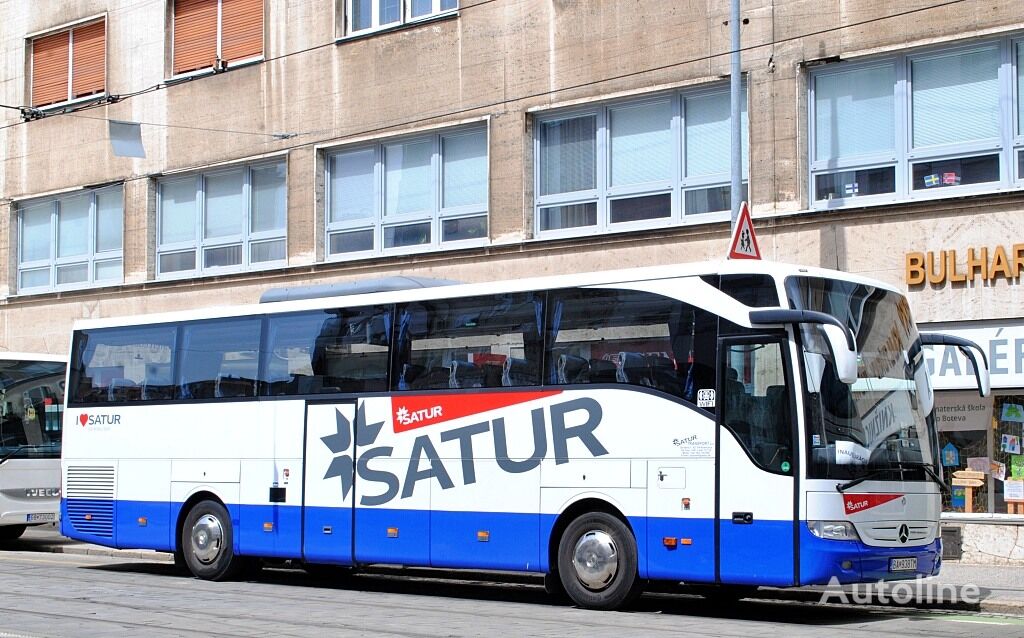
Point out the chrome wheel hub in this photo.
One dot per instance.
(595, 559)
(207, 539)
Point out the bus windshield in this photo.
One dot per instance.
(31, 405)
(879, 425)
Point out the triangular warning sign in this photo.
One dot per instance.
(744, 241)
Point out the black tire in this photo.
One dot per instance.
(597, 562)
(207, 542)
(11, 532)
(554, 588)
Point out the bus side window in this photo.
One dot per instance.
(479, 342)
(324, 351)
(218, 358)
(113, 365)
(623, 336)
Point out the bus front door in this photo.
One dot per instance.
(756, 489)
(328, 494)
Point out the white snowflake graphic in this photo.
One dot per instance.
(402, 415)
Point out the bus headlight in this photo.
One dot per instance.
(833, 530)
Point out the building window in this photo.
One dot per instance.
(72, 241)
(370, 15)
(222, 221)
(643, 163)
(69, 65)
(412, 194)
(917, 126)
(215, 34)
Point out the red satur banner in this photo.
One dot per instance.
(854, 503)
(417, 411)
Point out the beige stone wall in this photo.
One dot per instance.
(498, 61)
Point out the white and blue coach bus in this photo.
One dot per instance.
(727, 424)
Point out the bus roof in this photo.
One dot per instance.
(32, 356)
(774, 269)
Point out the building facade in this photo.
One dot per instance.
(294, 142)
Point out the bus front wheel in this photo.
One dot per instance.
(597, 562)
(207, 542)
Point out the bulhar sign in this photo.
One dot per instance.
(944, 266)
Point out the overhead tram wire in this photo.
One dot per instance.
(427, 118)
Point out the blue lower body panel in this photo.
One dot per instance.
(822, 559)
(759, 554)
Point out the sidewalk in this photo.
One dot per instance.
(984, 588)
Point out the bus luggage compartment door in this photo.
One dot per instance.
(329, 482)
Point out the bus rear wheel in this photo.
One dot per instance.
(597, 562)
(207, 542)
(11, 532)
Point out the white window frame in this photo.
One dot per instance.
(1017, 78)
(604, 193)
(436, 216)
(903, 156)
(246, 239)
(404, 17)
(52, 262)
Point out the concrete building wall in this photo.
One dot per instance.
(501, 62)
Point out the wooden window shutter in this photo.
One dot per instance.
(88, 59)
(50, 64)
(241, 29)
(195, 35)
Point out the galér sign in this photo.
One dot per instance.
(944, 266)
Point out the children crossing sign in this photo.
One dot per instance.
(744, 241)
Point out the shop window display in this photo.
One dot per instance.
(997, 451)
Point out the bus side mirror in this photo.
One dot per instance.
(839, 337)
(844, 358)
(968, 348)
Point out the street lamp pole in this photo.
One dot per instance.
(735, 156)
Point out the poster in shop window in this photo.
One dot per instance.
(1017, 466)
(950, 456)
(979, 464)
(998, 470)
(1013, 490)
(1010, 443)
(1012, 412)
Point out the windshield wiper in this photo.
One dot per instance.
(932, 474)
(9, 455)
(900, 467)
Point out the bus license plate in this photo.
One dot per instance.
(903, 564)
(48, 517)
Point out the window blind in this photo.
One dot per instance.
(50, 68)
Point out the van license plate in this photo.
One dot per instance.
(903, 564)
(47, 517)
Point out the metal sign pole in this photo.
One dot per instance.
(736, 152)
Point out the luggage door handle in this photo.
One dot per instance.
(743, 518)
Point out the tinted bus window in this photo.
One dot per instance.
(122, 364)
(757, 291)
(31, 401)
(327, 351)
(621, 336)
(218, 359)
(481, 342)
